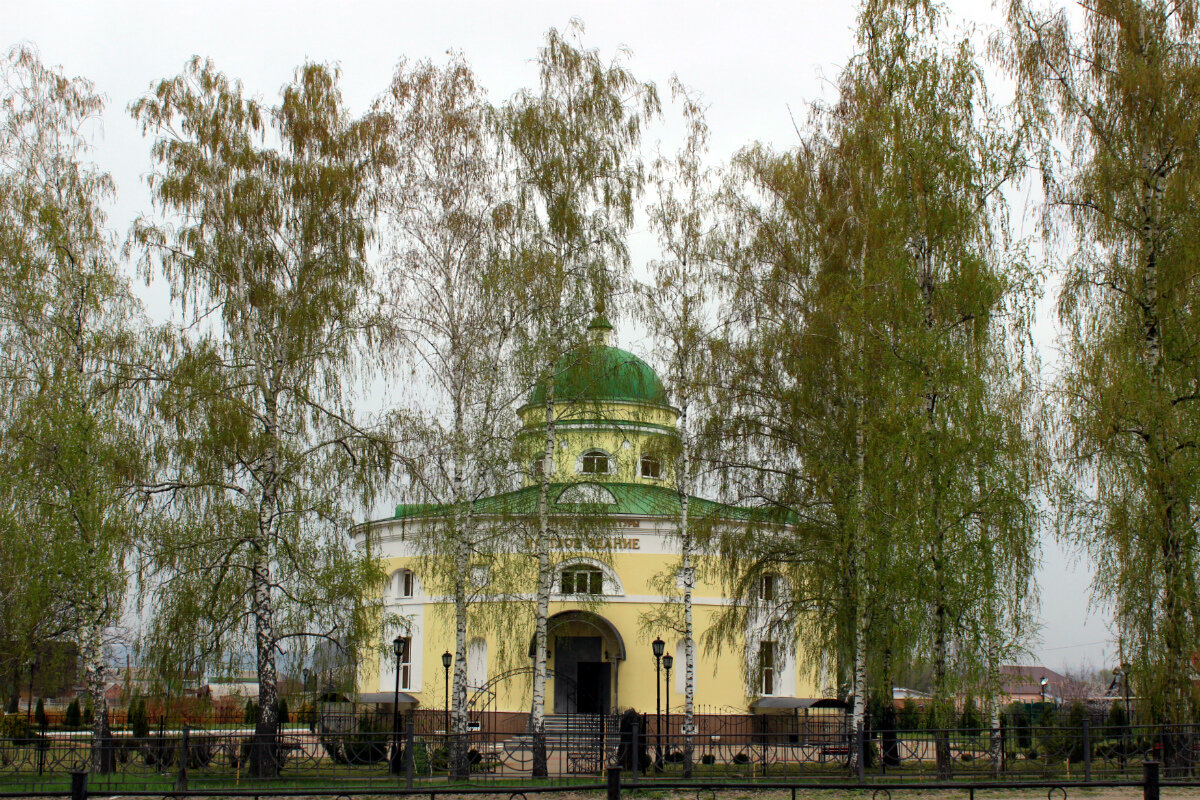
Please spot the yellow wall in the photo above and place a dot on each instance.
(623, 430)
(720, 676)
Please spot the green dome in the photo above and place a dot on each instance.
(597, 372)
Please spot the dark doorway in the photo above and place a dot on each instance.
(592, 678)
(581, 684)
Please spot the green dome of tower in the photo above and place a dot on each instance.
(597, 372)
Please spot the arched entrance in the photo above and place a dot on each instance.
(585, 648)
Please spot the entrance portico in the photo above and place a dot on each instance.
(586, 651)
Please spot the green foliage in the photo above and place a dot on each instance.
(909, 718)
(265, 229)
(73, 718)
(73, 433)
(139, 722)
(1118, 89)
(15, 727)
(39, 714)
(1117, 718)
(282, 714)
(900, 438)
(970, 719)
(250, 713)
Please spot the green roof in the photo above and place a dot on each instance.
(636, 499)
(597, 372)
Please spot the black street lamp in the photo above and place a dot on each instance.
(447, 659)
(657, 647)
(668, 661)
(400, 649)
(1043, 685)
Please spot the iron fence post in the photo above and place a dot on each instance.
(1087, 750)
(1150, 780)
(181, 781)
(79, 786)
(614, 783)
(636, 755)
(409, 755)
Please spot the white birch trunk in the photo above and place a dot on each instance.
(685, 546)
(537, 719)
(93, 658)
(462, 549)
(262, 607)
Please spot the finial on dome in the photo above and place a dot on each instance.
(599, 329)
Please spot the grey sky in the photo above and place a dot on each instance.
(756, 63)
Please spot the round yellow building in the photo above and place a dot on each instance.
(616, 513)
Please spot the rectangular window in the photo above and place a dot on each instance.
(766, 662)
(767, 589)
(582, 581)
(406, 660)
(406, 584)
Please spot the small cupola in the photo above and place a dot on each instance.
(599, 330)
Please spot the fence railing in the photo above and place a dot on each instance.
(365, 751)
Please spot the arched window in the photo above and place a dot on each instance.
(651, 467)
(403, 583)
(594, 462)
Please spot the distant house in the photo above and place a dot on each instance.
(1023, 684)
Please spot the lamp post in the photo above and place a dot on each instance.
(447, 659)
(399, 648)
(1043, 706)
(657, 647)
(668, 661)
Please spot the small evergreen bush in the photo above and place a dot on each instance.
(73, 719)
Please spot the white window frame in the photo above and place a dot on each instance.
(593, 453)
(658, 464)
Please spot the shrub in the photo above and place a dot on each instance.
(87, 713)
(73, 718)
(909, 718)
(970, 720)
(250, 715)
(740, 758)
(708, 758)
(1117, 718)
(282, 711)
(39, 714)
(367, 745)
(139, 722)
(16, 728)
(1016, 719)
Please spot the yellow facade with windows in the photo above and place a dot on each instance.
(616, 558)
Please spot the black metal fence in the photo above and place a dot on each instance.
(364, 751)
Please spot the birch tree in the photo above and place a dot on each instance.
(677, 308)
(74, 445)
(1118, 92)
(879, 253)
(267, 216)
(573, 150)
(453, 303)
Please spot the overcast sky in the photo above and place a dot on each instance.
(757, 64)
